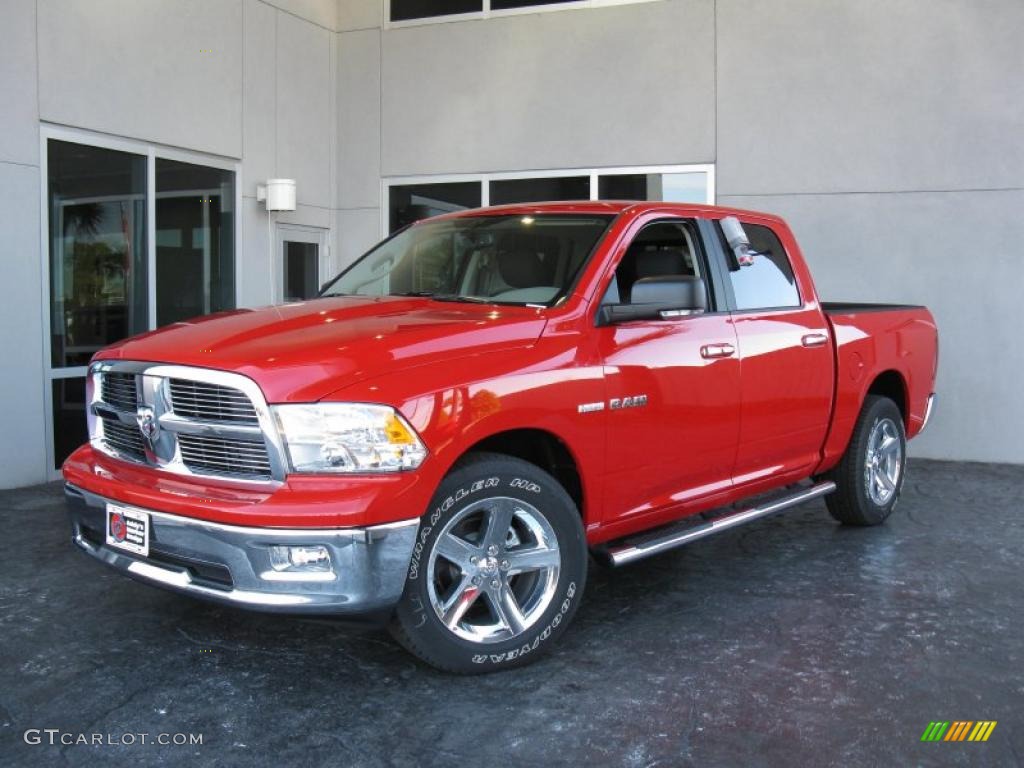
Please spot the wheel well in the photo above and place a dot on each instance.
(890, 384)
(543, 450)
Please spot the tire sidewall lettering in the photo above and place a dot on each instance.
(542, 636)
(427, 526)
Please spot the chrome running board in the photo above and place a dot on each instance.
(653, 544)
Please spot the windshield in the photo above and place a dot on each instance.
(494, 259)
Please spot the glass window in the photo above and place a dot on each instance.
(505, 191)
(195, 240)
(403, 10)
(769, 281)
(659, 249)
(301, 271)
(69, 426)
(691, 187)
(411, 202)
(501, 259)
(98, 283)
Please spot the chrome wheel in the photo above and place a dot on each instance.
(493, 571)
(883, 462)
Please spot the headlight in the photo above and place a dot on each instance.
(348, 437)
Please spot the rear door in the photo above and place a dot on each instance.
(672, 384)
(787, 369)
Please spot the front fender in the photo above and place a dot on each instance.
(454, 405)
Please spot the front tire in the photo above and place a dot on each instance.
(498, 569)
(869, 478)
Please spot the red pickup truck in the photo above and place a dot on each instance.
(483, 401)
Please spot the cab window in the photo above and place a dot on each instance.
(659, 249)
(769, 282)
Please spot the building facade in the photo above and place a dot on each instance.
(133, 137)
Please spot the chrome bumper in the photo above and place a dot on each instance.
(231, 564)
(927, 412)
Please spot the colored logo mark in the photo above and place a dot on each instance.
(959, 730)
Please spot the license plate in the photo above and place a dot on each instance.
(128, 529)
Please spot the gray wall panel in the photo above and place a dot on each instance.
(869, 95)
(358, 141)
(321, 12)
(304, 120)
(22, 446)
(359, 14)
(142, 70)
(19, 118)
(621, 85)
(260, 90)
(357, 230)
(959, 254)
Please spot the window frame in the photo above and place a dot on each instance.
(151, 151)
(488, 13)
(719, 301)
(484, 180)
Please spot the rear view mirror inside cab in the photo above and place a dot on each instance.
(738, 241)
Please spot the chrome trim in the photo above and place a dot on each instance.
(164, 453)
(653, 546)
(927, 412)
(185, 426)
(369, 565)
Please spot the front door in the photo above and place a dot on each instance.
(672, 387)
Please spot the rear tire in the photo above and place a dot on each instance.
(498, 569)
(869, 477)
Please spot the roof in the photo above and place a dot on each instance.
(607, 207)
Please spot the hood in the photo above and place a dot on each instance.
(303, 352)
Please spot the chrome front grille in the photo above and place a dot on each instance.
(125, 439)
(210, 402)
(230, 458)
(120, 391)
(191, 421)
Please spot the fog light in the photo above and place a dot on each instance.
(304, 559)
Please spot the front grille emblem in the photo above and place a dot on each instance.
(148, 425)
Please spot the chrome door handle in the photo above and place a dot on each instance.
(715, 351)
(814, 339)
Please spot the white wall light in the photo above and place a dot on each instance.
(279, 194)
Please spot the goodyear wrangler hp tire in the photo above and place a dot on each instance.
(869, 478)
(498, 569)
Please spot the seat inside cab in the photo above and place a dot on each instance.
(660, 249)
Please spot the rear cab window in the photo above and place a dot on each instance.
(768, 283)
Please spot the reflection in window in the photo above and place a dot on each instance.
(69, 425)
(97, 249)
(411, 202)
(195, 252)
(403, 10)
(301, 271)
(670, 187)
(504, 191)
(769, 281)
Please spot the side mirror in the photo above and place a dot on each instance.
(738, 241)
(658, 298)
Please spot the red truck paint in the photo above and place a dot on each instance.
(720, 430)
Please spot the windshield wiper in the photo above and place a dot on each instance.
(444, 296)
(460, 297)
